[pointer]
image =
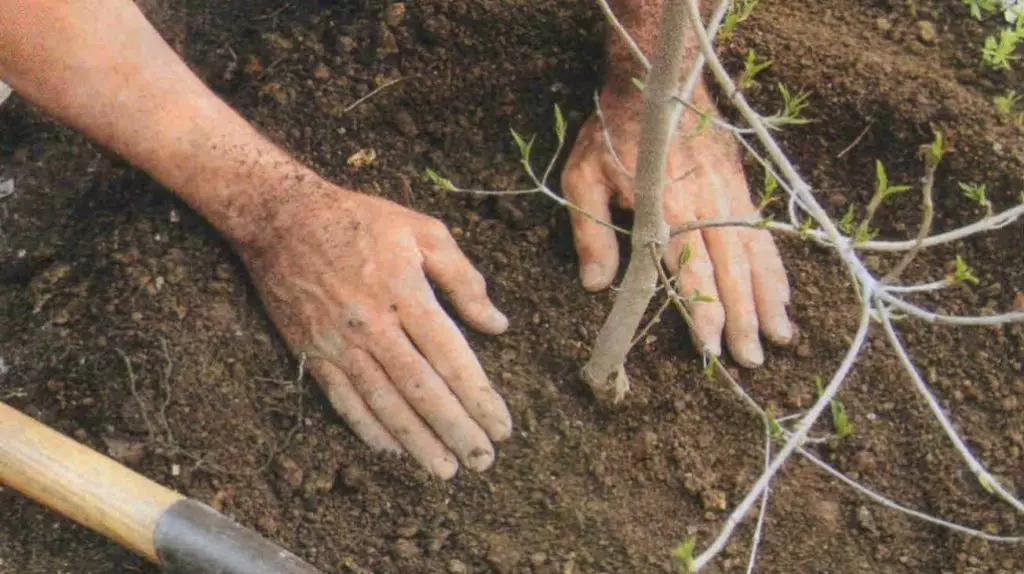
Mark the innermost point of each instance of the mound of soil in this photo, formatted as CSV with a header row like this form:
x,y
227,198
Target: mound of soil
x,y
101,266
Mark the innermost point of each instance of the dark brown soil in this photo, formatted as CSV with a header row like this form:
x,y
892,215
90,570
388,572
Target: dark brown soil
x,y
98,259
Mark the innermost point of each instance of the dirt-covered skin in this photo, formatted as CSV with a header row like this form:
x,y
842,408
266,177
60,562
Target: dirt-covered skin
x,y
96,258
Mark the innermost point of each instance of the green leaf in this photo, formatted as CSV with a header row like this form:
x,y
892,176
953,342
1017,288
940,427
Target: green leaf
x,y
703,122
684,255
805,228
709,371
441,182
962,273
639,84
699,297
774,428
559,124
984,482
524,146
846,223
684,554
882,180
840,421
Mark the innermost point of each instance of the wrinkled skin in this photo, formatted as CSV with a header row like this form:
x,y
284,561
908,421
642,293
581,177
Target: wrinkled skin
x,y
740,268
346,277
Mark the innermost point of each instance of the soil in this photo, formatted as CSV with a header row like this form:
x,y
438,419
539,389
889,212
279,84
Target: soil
x,y
99,261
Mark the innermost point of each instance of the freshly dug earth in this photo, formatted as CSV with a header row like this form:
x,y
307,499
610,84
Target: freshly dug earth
x,y
100,266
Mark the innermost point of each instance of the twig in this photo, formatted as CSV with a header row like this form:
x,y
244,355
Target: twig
x,y
614,21
374,92
995,222
746,221
135,393
165,383
928,213
759,527
891,505
273,14
650,324
795,440
298,416
988,481
855,141
606,134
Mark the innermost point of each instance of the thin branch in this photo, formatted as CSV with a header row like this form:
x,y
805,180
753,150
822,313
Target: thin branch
x,y
932,317
650,324
928,213
621,31
988,481
890,504
763,511
374,92
997,221
797,438
606,134
855,141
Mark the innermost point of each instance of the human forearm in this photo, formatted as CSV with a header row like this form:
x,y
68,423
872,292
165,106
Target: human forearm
x,y
100,67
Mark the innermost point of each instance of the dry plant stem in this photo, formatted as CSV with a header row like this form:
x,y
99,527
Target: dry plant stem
x,y
989,223
604,372
727,378
900,508
374,92
686,93
608,137
794,442
763,511
614,21
928,213
988,481
800,188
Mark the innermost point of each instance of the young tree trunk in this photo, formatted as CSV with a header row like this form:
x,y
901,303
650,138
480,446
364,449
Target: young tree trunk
x,y
605,371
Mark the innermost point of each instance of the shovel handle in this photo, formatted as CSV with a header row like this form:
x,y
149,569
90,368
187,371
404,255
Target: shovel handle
x,y
178,533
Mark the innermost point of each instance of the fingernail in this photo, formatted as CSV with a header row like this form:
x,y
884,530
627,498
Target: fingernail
x,y
497,319
750,354
479,459
713,347
501,429
782,331
444,467
592,276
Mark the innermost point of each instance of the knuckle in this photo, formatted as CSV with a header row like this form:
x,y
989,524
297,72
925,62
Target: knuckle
x,y
436,229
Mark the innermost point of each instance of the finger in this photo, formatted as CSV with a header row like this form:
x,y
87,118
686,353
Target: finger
x,y
732,272
697,275
771,286
347,402
402,422
439,339
768,274
596,244
462,283
430,397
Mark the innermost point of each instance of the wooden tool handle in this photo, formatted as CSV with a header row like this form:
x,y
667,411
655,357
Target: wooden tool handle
x,y
165,527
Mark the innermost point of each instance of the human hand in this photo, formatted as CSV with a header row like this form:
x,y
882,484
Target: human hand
x,y
740,268
344,278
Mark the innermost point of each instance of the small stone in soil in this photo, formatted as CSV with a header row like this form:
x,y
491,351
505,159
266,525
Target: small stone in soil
x,y
394,14
406,548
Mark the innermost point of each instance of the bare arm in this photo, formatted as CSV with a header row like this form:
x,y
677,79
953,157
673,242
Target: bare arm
x,y
343,275
101,68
